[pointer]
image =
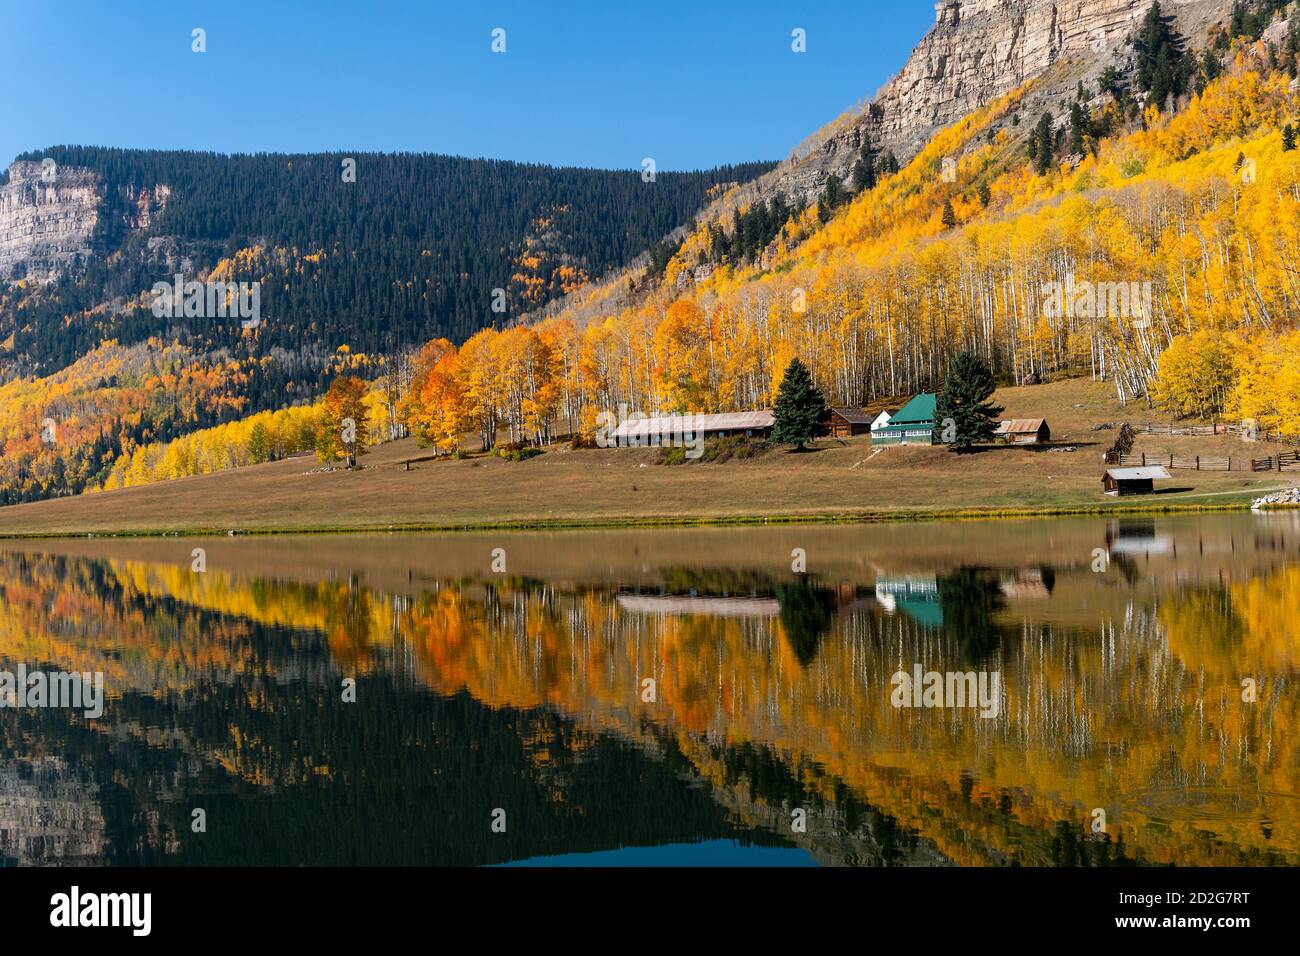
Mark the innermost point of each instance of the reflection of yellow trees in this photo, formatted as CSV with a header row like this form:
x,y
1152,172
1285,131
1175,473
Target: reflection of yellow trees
x,y
1132,719
1269,609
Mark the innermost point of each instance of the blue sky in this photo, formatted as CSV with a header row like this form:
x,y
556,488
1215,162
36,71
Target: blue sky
x,y
691,84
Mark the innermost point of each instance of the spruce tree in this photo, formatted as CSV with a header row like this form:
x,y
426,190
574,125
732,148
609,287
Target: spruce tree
x,y
864,170
832,196
1078,128
949,216
964,401
1160,67
1288,138
1045,147
801,411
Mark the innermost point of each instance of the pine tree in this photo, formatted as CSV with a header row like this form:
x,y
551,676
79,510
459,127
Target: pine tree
x,y
1078,129
832,196
964,402
1161,70
949,216
1288,138
985,194
1045,147
801,411
864,170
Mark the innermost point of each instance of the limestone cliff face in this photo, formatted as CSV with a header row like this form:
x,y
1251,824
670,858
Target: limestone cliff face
x,y
977,51
47,217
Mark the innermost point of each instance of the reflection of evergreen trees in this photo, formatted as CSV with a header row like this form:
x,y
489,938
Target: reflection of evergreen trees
x,y
807,611
969,598
807,606
399,777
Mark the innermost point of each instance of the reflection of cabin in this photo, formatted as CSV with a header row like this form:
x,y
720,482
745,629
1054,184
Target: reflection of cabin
x,y
684,604
1133,481
1029,584
1128,536
913,424
655,431
847,422
915,596
1024,431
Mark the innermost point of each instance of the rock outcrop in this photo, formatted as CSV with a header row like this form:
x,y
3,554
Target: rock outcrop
x,y
48,214
977,51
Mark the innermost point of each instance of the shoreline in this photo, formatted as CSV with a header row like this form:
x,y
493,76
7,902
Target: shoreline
x,y
718,521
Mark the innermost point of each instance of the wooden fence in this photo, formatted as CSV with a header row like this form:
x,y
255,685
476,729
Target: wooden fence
x,y
1218,428
1286,461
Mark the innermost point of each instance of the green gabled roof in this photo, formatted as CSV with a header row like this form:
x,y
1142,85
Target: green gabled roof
x,y
919,409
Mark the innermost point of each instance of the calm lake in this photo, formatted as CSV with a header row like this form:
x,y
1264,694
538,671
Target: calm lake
x,y
698,696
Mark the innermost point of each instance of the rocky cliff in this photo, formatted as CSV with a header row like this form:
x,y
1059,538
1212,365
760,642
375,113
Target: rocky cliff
x,y
977,51
48,215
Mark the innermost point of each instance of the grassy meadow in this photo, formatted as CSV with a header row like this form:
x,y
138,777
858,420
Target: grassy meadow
x,y
838,480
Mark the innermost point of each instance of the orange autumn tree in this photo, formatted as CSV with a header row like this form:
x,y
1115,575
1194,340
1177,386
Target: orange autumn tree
x,y
343,431
435,408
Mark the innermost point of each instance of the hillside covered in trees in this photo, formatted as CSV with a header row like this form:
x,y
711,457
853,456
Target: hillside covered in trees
x,y
1159,207
371,258
1144,233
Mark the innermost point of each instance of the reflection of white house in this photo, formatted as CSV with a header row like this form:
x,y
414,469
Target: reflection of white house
x,y
890,590
881,421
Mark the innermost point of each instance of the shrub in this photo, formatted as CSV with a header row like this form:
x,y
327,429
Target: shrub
x,y
514,452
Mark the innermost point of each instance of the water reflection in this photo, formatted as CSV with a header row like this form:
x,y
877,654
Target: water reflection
x,y
1126,690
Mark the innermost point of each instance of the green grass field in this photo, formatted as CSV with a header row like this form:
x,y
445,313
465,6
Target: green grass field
x,y
839,480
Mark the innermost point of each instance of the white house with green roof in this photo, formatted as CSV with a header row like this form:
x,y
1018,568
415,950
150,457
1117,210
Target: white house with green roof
x,y
913,424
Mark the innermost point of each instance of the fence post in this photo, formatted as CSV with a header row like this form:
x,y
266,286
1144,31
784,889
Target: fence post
x,y
1144,459
1198,462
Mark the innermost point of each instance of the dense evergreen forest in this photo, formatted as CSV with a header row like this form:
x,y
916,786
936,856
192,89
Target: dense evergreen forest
x,y
376,252
410,250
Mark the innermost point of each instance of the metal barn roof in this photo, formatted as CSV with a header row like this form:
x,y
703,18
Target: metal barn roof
x,y
919,409
855,416
679,424
1020,426
1138,474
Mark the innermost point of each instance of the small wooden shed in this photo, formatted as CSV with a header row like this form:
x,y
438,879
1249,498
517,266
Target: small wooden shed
x,y
1133,481
846,422
1024,431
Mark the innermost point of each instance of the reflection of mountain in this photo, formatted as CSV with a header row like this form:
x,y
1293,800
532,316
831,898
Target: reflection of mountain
x,y
48,815
526,695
